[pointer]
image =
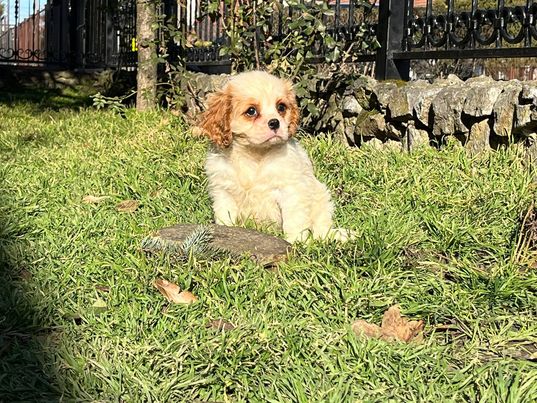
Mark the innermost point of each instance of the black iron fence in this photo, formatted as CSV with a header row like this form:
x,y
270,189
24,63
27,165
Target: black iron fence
x,y
101,33
68,33
405,29
441,30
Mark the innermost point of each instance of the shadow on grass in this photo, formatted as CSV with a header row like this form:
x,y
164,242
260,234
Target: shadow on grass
x,y
39,98
24,337
40,88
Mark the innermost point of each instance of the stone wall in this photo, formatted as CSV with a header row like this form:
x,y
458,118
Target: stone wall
x,y
480,112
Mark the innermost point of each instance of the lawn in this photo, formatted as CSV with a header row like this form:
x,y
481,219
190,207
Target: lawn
x,y
438,234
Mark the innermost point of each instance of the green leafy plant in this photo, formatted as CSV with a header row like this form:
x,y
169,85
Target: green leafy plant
x,y
295,39
116,103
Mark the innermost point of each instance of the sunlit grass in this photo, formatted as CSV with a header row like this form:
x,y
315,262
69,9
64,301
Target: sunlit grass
x,y
437,233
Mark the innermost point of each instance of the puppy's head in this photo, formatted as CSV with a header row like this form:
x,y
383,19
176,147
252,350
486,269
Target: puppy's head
x,y
254,109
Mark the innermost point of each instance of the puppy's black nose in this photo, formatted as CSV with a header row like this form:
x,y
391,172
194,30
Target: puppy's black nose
x,y
274,124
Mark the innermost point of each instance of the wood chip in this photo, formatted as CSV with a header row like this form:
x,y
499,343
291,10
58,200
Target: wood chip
x,y
128,206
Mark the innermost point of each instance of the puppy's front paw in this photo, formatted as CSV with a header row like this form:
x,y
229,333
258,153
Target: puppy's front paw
x,y
304,236
334,234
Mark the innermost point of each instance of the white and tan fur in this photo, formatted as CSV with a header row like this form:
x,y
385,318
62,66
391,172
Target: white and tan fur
x,y
256,169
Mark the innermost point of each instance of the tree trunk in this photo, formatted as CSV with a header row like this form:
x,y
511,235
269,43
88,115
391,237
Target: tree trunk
x,y
146,97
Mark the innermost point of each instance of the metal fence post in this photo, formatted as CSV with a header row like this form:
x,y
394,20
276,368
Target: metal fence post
x,y
77,28
390,36
110,47
171,12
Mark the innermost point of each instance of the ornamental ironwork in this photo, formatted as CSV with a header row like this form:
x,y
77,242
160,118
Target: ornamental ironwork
x,y
471,29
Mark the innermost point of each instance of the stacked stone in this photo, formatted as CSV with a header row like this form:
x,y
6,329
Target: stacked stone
x,y
481,113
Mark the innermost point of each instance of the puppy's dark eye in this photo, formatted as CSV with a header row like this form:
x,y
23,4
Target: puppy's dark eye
x,y
281,108
251,111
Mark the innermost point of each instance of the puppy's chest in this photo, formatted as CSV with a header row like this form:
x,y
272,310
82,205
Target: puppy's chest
x,y
256,179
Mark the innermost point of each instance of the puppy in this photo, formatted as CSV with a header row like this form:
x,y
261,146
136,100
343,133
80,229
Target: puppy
x,y
255,168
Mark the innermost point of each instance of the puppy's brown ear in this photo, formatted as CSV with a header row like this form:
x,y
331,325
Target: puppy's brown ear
x,y
215,121
294,112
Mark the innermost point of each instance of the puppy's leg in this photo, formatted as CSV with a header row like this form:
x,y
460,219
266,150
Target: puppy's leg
x,y
225,208
296,220
321,216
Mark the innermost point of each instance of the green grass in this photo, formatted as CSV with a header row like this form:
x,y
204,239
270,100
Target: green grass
x,y
437,235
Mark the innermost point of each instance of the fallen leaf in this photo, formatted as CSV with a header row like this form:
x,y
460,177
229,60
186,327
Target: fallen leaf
x,y
90,199
362,327
394,327
25,275
169,290
102,288
128,206
74,316
173,293
220,324
99,305
186,297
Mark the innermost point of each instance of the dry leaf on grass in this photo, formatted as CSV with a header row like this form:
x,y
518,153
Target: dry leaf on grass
x,y
394,327
128,206
186,297
220,324
367,329
90,199
173,293
102,288
99,305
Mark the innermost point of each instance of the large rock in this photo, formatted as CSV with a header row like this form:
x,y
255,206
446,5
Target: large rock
x,y
447,110
529,92
451,79
370,124
482,96
526,111
383,92
393,145
263,248
395,130
525,118
373,143
348,129
415,138
503,112
350,106
479,137
392,99
420,95
531,147
363,90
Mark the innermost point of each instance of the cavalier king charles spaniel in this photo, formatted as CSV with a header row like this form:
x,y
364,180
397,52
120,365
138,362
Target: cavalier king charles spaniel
x,y
255,168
